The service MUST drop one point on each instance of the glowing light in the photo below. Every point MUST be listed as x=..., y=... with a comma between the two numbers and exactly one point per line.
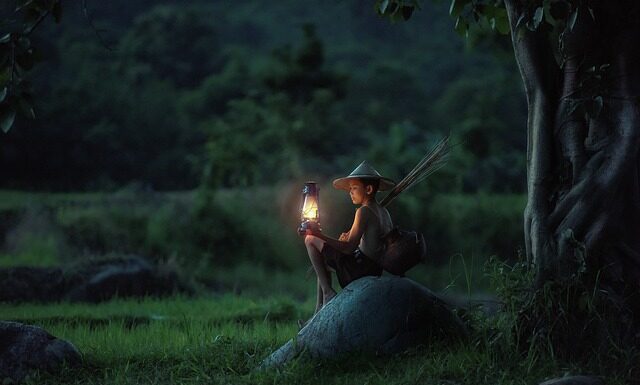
x=310, y=208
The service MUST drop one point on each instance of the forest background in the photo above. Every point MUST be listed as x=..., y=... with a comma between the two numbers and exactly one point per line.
x=183, y=134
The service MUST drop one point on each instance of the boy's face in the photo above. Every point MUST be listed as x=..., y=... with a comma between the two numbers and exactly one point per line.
x=357, y=191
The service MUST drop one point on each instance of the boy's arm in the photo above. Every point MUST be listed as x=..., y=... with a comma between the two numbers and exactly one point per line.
x=354, y=235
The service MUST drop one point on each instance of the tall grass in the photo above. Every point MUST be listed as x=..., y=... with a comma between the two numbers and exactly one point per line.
x=222, y=340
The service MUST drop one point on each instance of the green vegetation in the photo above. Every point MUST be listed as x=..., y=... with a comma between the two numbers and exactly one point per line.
x=264, y=289
x=235, y=107
x=223, y=339
x=221, y=96
x=238, y=239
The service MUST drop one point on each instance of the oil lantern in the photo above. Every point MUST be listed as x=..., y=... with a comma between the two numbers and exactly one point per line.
x=309, y=212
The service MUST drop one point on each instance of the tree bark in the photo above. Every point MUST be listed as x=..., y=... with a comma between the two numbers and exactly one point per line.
x=583, y=180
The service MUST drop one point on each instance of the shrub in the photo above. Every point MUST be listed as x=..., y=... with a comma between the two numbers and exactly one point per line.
x=479, y=224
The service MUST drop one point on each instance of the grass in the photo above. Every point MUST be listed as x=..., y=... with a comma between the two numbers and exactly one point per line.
x=222, y=339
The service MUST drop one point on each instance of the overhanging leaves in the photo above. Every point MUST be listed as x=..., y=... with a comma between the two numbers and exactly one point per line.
x=7, y=117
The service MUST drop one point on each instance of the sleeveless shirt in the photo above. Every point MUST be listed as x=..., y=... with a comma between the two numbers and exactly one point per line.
x=371, y=242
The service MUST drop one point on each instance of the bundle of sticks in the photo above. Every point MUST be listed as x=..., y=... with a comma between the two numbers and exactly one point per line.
x=434, y=160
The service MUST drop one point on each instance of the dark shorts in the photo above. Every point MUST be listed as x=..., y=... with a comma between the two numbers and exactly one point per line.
x=350, y=267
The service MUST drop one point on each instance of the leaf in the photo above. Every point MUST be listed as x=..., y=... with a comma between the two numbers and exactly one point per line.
x=502, y=22
x=548, y=16
x=7, y=117
x=537, y=17
x=593, y=16
x=5, y=39
x=520, y=22
x=456, y=7
x=389, y=8
x=461, y=26
x=572, y=19
x=3, y=94
x=382, y=8
x=396, y=15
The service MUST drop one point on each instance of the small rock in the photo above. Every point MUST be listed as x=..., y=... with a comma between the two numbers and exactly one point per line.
x=127, y=277
x=575, y=380
x=23, y=284
x=381, y=315
x=24, y=348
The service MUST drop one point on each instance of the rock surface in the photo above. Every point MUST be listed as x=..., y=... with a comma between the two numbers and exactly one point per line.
x=575, y=380
x=88, y=282
x=380, y=315
x=24, y=348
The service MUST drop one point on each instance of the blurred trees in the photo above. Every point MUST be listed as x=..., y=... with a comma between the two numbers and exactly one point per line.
x=245, y=95
x=285, y=127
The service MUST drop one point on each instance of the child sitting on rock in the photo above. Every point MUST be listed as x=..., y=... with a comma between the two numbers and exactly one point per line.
x=356, y=252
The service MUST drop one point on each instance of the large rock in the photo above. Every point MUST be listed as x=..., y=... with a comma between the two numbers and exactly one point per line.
x=93, y=281
x=24, y=348
x=378, y=315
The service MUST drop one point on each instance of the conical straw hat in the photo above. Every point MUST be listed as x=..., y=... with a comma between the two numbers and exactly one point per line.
x=364, y=170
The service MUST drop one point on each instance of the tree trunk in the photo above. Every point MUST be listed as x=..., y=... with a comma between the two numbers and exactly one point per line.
x=583, y=180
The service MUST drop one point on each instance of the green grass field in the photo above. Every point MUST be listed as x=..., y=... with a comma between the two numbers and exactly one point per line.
x=222, y=339
x=252, y=291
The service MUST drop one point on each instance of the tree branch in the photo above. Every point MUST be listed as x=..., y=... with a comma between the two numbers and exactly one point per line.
x=40, y=19
x=85, y=10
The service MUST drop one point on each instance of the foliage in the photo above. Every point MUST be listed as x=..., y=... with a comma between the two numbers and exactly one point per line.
x=181, y=99
x=218, y=237
x=479, y=225
x=575, y=321
x=181, y=47
x=17, y=55
x=292, y=111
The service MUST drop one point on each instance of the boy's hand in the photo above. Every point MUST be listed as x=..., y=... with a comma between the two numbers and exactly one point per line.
x=313, y=231
x=344, y=237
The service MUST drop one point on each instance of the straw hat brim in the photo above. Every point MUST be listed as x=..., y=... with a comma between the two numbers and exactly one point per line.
x=343, y=183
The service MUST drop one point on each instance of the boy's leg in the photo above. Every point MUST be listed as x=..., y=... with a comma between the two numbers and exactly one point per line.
x=314, y=245
x=319, y=297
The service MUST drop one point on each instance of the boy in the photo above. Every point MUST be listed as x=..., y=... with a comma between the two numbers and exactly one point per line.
x=356, y=252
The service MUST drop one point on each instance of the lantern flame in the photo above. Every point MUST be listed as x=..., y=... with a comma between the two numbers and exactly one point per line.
x=310, y=208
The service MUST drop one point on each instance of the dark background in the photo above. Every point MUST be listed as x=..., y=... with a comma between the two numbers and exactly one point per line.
x=185, y=132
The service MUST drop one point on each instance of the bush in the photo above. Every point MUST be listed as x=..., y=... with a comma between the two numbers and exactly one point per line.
x=206, y=229
x=574, y=320
x=479, y=224
x=104, y=229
